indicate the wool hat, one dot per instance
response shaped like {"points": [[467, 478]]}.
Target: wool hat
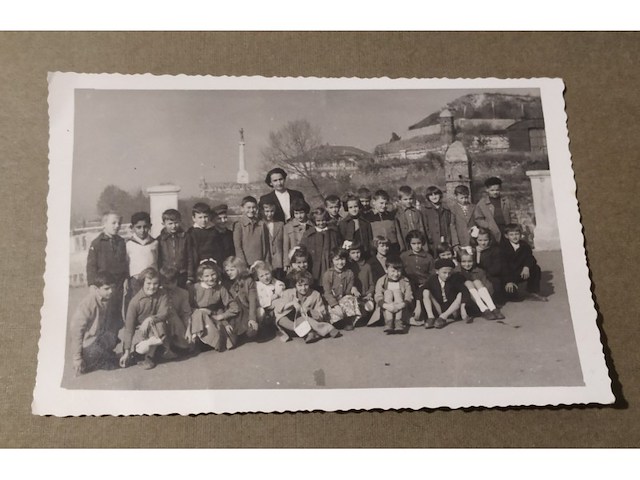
{"points": [[492, 181], [220, 209], [279, 170], [444, 262]]}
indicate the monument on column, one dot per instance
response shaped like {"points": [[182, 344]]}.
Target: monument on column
{"points": [[545, 235], [161, 198], [243, 176]]}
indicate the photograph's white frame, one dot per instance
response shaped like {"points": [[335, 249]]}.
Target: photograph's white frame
{"points": [[51, 399]]}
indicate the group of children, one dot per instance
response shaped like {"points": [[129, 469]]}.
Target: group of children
{"points": [[348, 263]]}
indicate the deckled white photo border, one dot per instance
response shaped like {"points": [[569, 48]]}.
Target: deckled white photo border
{"points": [[51, 399]]}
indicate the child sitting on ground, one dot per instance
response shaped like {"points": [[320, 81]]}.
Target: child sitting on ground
{"points": [[301, 312], [269, 289], [320, 241], [340, 292], [418, 265], [243, 290], [443, 294], [145, 326], [213, 309], [179, 308], [490, 257], [394, 297], [92, 342], [299, 260], [477, 285], [520, 264], [363, 280], [445, 251]]}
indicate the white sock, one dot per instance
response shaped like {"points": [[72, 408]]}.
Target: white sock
{"points": [[478, 299], [486, 296]]}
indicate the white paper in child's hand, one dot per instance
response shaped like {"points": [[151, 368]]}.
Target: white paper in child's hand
{"points": [[139, 132]]}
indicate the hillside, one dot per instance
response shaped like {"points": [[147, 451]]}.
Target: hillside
{"points": [[488, 106]]}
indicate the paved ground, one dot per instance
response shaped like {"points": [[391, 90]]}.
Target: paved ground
{"points": [[534, 346]]}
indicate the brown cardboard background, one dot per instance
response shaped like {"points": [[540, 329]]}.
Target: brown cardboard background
{"points": [[603, 104]]}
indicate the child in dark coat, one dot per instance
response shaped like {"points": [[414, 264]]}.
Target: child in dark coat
{"points": [[443, 294], [108, 254], [438, 219], [520, 264], [353, 227], [490, 257], [319, 242], [382, 221], [204, 238], [408, 217], [175, 248], [418, 266]]}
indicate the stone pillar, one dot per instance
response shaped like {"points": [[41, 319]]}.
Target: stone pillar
{"points": [[161, 198], [546, 234], [457, 170], [243, 176]]}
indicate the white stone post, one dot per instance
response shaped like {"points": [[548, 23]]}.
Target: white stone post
{"points": [[243, 176], [161, 198], [546, 234]]}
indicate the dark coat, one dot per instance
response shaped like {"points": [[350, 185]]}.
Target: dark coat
{"points": [[452, 287], [363, 235], [176, 251], [408, 219], [107, 254], [377, 270], [206, 244], [438, 222], [272, 198], [319, 245], [515, 261], [492, 261]]}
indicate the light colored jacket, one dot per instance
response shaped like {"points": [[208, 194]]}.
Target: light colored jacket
{"points": [[484, 215]]}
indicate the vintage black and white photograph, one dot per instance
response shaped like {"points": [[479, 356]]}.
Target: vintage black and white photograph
{"points": [[221, 244]]}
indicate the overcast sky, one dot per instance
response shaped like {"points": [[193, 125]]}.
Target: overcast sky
{"points": [[138, 138]]}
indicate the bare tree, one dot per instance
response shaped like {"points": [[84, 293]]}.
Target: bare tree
{"points": [[295, 147]]}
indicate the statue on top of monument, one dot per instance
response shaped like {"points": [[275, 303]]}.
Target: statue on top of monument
{"points": [[241, 134]]}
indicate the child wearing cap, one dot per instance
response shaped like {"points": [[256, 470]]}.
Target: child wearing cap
{"points": [[225, 231], [443, 294], [494, 211]]}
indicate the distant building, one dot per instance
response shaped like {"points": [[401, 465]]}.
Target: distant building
{"points": [[482, 122], [333, 161]]}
